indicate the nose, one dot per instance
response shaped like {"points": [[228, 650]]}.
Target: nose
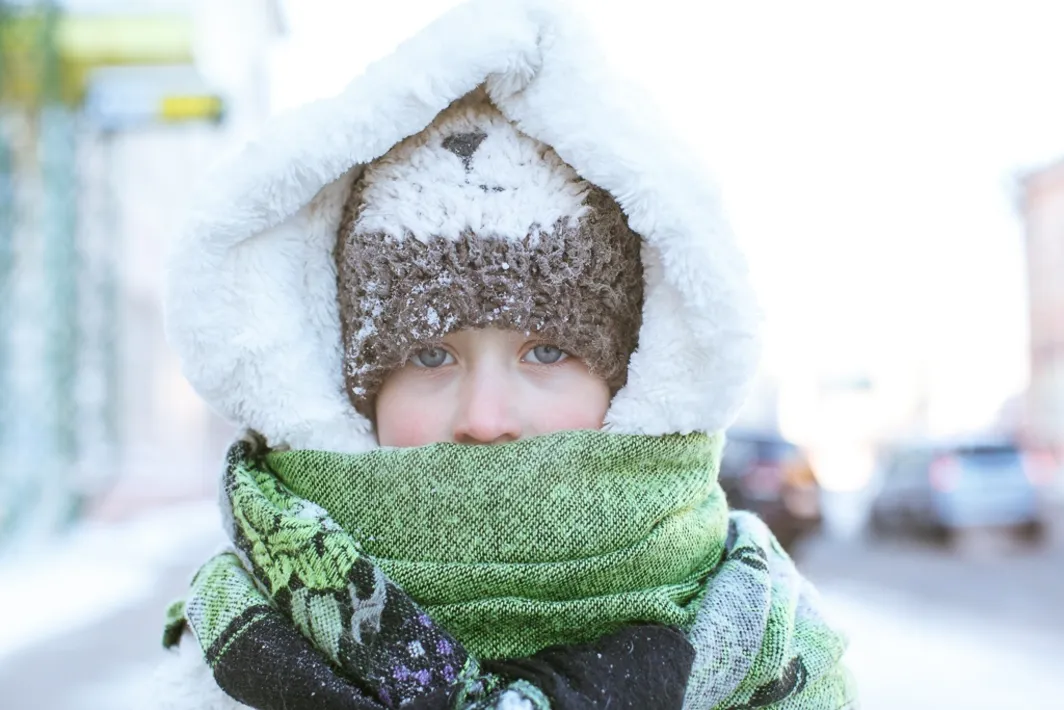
{"points": [[487, 413]]}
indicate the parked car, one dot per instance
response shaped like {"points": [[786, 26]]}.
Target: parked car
{"points": [[945, 487], [768, 475]]}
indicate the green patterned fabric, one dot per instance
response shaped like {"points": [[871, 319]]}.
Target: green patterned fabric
{"points": [[760, 637], [549, 540], [402, 567]]}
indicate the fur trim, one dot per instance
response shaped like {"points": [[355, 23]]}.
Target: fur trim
{"points": [[184, 682], [251, 298], [512, 701]]}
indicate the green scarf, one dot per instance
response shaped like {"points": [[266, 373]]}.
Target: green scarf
{"points": [[402, 567], [544, 541]]}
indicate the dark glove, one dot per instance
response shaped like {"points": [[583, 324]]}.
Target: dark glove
{"points": [[640, 666], [274, 667], [392, 656]]}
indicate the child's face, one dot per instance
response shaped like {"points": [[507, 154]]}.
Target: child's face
{"points": [[485, 387]]}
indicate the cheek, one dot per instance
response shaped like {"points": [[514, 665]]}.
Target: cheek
{"points": [[580, 404], [407, 418]]}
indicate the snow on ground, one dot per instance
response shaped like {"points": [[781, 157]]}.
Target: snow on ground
{"points": [[908, 656], [131, 689], [98, 569]]}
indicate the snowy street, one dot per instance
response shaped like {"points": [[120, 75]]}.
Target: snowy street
{"points": [[85, 615], [977, 626]]}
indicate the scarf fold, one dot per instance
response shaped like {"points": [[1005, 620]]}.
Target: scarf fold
{"points": [[379, 579], [545, 541]]}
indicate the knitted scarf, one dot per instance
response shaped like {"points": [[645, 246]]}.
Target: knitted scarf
{"points": [[383, 579]]}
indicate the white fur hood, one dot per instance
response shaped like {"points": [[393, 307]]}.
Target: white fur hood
{"points": [[251, 301]]}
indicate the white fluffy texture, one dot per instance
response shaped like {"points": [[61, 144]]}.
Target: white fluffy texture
{"points": [[512, 701], [184, 682], [514, 186], [251, 300]]}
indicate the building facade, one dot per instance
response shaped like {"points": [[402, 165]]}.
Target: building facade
{"points": [[1042, 207], [110, 111]]}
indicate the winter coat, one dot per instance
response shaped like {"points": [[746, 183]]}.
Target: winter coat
{"points": [[251, 302]]}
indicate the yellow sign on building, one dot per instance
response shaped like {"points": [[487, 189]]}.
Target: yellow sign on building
{"points": [[46, 57]]}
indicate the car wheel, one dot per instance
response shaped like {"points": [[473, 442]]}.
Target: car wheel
{"points": [[877, 527], [1032, 532], [942, 534]]}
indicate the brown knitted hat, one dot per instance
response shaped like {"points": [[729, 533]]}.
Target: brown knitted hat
{"points": [[472, 224]]}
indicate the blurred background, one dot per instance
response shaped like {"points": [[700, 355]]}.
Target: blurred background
{"points": [[895, 174]]}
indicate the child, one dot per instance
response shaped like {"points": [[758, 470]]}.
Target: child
{"points": [[485, 326]]}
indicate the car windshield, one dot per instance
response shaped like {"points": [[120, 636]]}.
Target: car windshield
{"points": [[776, 450], [991, 460]]}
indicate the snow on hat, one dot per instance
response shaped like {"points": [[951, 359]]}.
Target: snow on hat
{"points": [[472, 224]]}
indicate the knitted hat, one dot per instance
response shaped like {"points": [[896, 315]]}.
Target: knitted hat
{"points": [[472, 224]]}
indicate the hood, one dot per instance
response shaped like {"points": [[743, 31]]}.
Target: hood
{"points": [[251, 297]]}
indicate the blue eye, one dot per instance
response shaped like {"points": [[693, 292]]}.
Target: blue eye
{"points": [[431, 358], [546, 355]]}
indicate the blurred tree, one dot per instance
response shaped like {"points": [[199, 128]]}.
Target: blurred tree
{"points": [[71, 86], [39, 269], [58, 224], [7, 225]]}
